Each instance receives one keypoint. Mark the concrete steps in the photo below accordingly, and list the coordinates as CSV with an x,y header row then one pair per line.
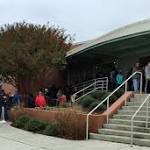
x,y
124,133
120,139
134,108
128,117
131,112
127,128
119,127
127,122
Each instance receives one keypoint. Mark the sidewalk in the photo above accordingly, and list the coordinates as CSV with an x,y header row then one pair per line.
x,y
16,139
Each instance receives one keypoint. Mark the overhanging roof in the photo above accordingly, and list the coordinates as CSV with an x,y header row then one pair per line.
x,y
135,29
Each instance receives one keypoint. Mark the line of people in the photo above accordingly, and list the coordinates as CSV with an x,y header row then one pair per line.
x,y
49,96
117,78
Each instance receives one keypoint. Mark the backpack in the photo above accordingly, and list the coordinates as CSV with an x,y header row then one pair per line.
x,y
119,78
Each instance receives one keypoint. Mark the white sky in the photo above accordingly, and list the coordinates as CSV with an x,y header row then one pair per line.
x,y
86,19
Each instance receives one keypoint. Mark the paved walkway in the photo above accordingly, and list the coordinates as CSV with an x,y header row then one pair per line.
x,y
16,139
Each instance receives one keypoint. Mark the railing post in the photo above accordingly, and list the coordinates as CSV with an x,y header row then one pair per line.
x,y
83,88
131,132
87,127
126,86
95,84
102,85
107,85
147,114
141,83
107,110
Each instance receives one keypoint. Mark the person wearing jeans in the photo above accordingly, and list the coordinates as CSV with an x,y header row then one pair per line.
x,y
136,85
136,78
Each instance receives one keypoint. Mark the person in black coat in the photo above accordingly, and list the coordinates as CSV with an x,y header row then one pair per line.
x,y
3,103
31,102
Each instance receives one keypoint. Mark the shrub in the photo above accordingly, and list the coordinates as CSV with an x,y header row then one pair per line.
x,y
87,101
112,98
35,125
119,93
21,121
80,100
70,125
98,95
51,129
94,104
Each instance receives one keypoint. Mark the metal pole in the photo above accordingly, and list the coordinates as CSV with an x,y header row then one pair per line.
x,y
102,85
83,88
126,86
107,110
147,114
141,83
131,133
107,85
87,127
95,84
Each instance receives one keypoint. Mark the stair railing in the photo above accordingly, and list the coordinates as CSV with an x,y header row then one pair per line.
x,y
125,84
146,101
97,84
84,84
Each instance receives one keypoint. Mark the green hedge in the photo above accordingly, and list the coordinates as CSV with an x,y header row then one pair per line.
x,y
35,125
51,129
87,101
92,100
94,104
21,122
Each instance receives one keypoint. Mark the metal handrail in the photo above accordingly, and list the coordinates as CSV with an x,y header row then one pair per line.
x,y
89,81
134,115
94,85
107,99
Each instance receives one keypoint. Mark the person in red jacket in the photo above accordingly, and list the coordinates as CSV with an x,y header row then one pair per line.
x,y
40,100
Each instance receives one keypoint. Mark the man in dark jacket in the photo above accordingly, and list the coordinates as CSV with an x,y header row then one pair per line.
x,y
3,106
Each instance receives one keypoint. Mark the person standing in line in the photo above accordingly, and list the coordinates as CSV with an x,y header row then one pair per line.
x,y
136,77
17,99
31,102
40,100
113,74
3,104
147,76
119,78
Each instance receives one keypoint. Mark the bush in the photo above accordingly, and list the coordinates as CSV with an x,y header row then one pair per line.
x,y
87,101
35,125
67,125
71,126
94,104
98,95
51,129
112,98
119,93
21,121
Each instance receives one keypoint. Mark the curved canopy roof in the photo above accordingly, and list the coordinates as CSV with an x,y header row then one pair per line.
x,y
127,31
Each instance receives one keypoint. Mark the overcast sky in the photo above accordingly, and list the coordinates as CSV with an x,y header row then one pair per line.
x,y
86,19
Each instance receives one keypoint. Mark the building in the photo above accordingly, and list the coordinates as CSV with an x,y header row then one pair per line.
x,y
122,48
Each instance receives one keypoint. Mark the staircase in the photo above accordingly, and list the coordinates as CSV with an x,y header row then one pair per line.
x,y
119,127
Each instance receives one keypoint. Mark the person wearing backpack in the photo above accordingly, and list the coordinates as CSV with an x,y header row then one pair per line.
x,y
147,76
